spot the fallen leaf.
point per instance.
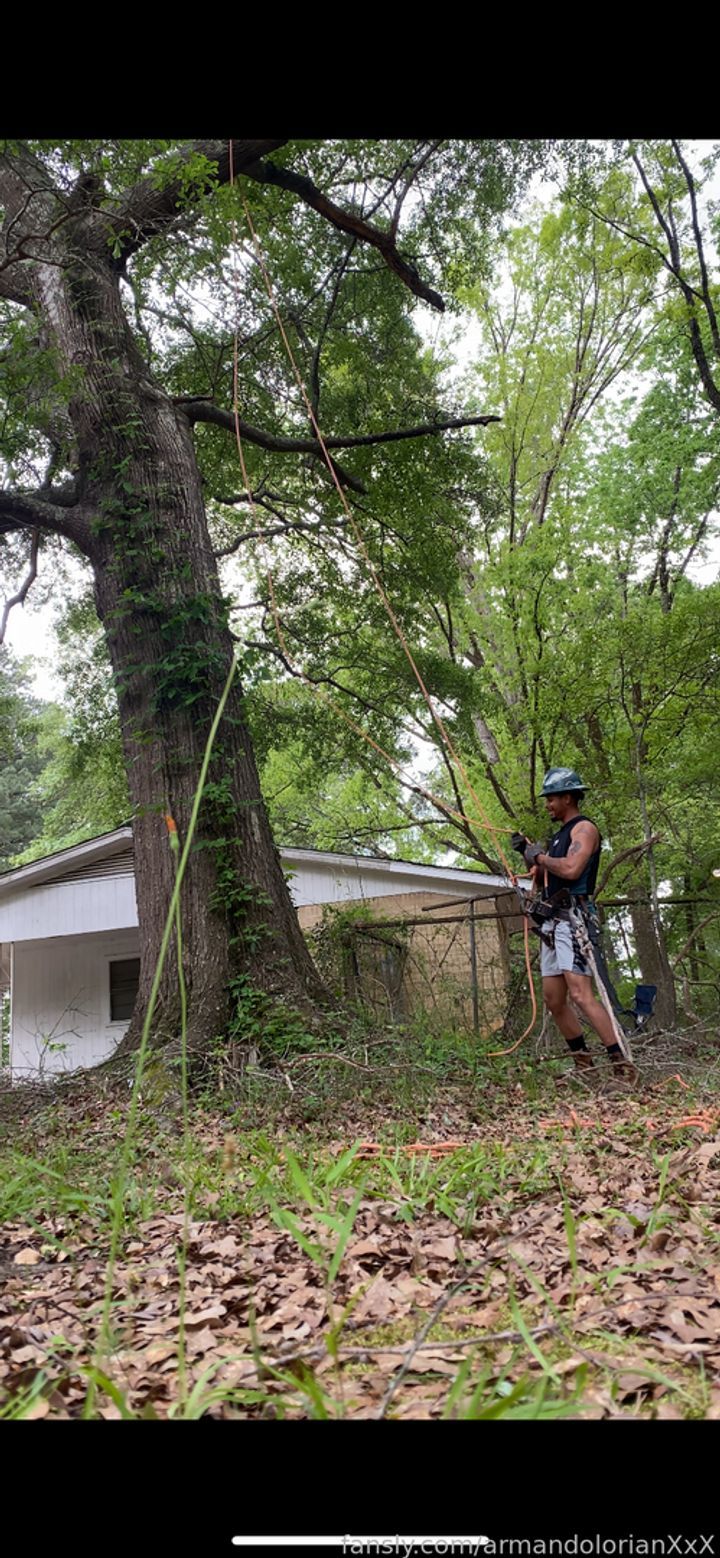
(214, 1312)
(38, 1409)
(378, 1302)
(157, 1352)
(629, 1384)
(364, 1247)
(659, 1240)
(200, 1342)
(435, 1363)
(569, 1365)
(441, 1249)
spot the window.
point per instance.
(124, 983)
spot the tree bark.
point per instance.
(159, 599)
(137, 512)
(654, 962)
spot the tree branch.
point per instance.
(635, 849)
(707, 296)
(690, 293)
(13, 288)
(55, 509)
(205, 411)
(690, 553)
(148, 211)
(682, 954)
(28, 581)
(286, 527)
(315, 364)
(425, 429)
(347, 222)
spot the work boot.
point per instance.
(582, 1058)
(622, 1069)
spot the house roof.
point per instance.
(106, 845)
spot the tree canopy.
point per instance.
(536, 518)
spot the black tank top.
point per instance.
(584, 886)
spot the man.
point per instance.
(571, 863)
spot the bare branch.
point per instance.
(28, 581)
(204, 411)
(635, 851)
(424, 430)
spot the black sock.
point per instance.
(615, 1052)
(578, 1043)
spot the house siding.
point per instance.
(69, 908)
(61, 1002)
(62, 919)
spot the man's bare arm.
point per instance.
(569, 867)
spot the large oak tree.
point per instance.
(103, 417)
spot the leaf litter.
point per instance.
(596, 1282)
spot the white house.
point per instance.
(70, 944)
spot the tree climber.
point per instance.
(569, 865)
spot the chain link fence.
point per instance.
(451, 964)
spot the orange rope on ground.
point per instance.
(488, 826)
(707, 1119)
(676, 1077)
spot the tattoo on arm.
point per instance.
(581, 848)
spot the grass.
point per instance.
(64, 1166)
(262, 1172)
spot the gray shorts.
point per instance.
(564, 957)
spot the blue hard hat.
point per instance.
(559, 780)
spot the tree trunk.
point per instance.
(158, 596)
(696, 942)
(654, 962)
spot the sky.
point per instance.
(30, 632)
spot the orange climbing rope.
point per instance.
(486, 824)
